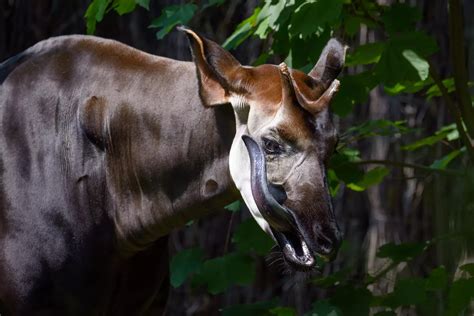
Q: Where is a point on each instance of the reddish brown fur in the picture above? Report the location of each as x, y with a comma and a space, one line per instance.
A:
265, 90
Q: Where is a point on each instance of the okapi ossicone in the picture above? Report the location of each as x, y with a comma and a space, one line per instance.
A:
104, 150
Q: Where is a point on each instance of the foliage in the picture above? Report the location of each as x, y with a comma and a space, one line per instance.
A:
97, 9
296, 31
172, 16
218, 274
349, 298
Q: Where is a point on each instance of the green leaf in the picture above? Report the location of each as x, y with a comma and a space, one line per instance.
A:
171, 16
448, 83
334, 182
421, 65
282, 311
305, 51
312, 17
243, 30
427, 141
261, 59
260, 23
461, 295
144, 3
395, 66
351, 154
408, 86
434, 91
407, 292
270, 17
124, 6
469, 268
354, 90
95, 13
183, 264
437, 280
443, 162
324, 308
370, 178
234, 206
433, 139
344, 169
256, 309
401, 252
365, 54
400, 17
249, 237
421, 43
222, 272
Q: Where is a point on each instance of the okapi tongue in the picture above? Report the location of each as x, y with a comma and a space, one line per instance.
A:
272, 211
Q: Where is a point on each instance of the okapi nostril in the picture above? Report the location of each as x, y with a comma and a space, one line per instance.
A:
325, 244
278, 192
210, 187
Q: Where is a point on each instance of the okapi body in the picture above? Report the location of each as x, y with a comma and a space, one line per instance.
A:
105, 149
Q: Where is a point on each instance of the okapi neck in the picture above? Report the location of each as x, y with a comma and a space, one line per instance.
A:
168, 171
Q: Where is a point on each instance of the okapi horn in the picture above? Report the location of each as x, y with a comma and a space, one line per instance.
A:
272, 211
316, 106
304, 97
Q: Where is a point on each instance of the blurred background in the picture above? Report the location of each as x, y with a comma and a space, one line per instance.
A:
402, 175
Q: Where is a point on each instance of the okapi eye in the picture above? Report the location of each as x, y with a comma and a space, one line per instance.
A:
272, 147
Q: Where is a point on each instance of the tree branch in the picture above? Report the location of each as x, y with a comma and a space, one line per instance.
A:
455, 112
409, 165
458, 56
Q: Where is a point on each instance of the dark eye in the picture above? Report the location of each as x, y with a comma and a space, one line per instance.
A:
272, 147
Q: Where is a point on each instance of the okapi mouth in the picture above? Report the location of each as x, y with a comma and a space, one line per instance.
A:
281, 219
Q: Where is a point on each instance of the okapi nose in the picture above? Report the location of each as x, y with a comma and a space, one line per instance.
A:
328, 241
278, 192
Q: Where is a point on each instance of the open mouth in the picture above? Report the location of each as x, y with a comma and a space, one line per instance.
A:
295, 249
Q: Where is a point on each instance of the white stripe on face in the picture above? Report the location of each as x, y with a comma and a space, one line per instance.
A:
239, 165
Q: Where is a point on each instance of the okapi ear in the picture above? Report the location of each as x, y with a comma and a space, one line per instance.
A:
217, 69
315, 93
330, 63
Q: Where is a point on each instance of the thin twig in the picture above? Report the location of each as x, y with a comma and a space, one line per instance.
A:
227, 238
409, 165
382, 273
454, 110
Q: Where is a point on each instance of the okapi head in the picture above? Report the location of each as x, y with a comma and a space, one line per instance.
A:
284, 137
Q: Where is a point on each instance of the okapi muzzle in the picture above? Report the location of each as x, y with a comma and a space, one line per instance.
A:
284, 137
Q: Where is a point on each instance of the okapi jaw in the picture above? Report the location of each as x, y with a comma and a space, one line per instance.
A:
284, 136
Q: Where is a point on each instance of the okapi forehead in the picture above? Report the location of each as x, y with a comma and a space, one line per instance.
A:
291, 121
264, 88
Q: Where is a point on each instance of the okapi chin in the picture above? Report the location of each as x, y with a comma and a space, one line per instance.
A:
106, 149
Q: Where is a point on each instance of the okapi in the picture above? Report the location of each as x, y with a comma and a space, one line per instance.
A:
106, 149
